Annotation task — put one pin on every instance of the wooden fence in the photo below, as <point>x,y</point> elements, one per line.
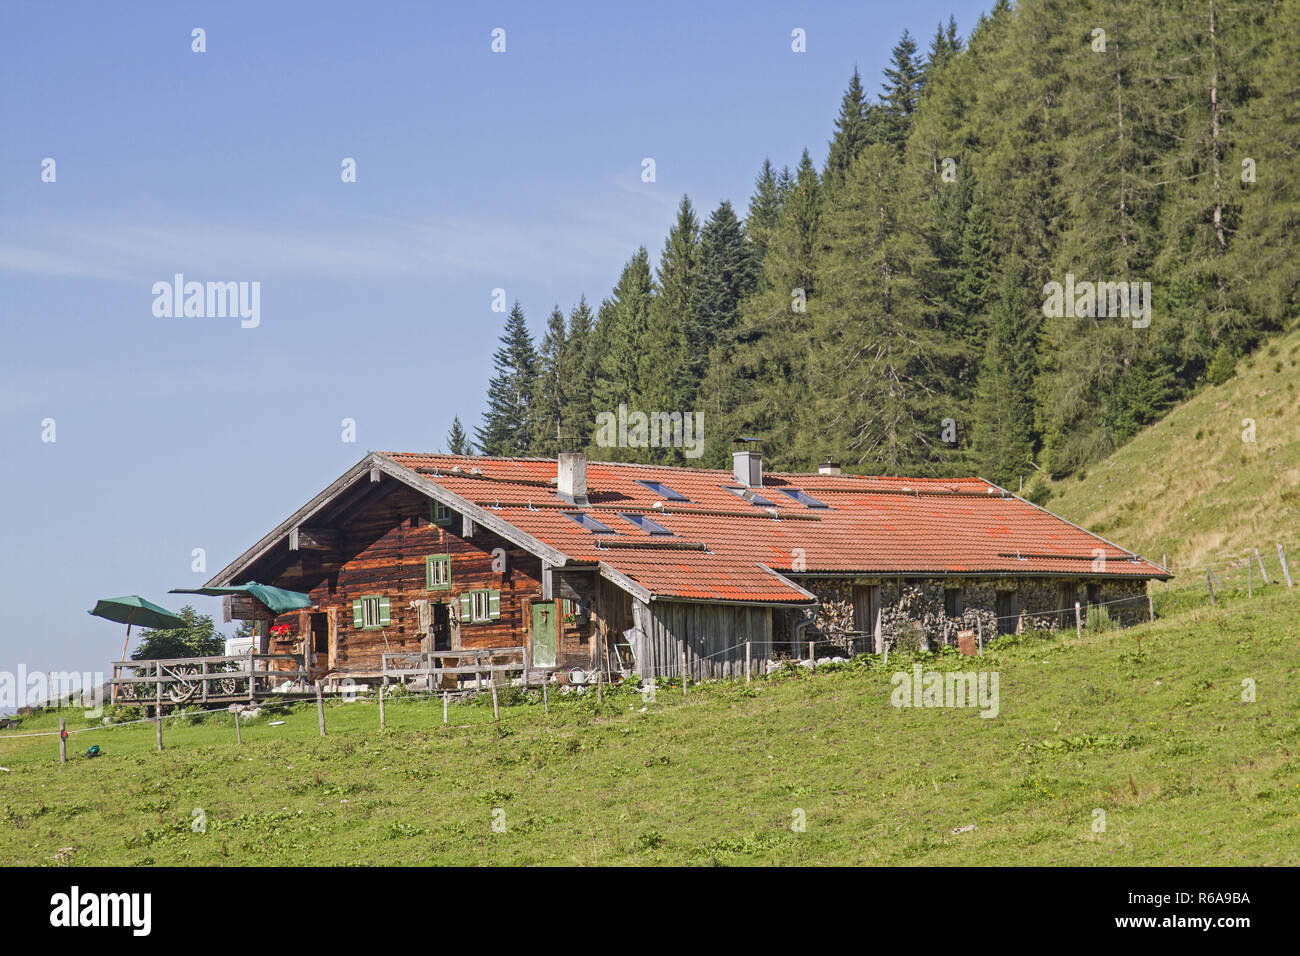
<point>202,680</point>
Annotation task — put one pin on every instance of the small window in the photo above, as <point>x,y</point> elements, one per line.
<point>645,523</point>
<point>437,572</point>
<point>805,499</point>
<point>753,497</point>
<point>371,611</point>
<point>588,522</point>
<point>440,514</point>
<point>662,490</point>
<point>479,606</point>
<point>954,604</point>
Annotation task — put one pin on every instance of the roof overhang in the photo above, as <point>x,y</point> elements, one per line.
<point>372,468</point>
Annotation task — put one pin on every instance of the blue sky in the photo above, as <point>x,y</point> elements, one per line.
<point>475,171</point>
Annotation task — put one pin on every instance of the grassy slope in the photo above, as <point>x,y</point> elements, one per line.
<point>1186,772</point>
<point>1191,487</point>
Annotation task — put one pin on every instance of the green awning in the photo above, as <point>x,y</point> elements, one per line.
<point>276,600</point>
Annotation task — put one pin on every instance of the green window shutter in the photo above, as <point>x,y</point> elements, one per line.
<point>494,604</point>
<point>383,612</point>
<point>466,606</point>
<point>358,616</point>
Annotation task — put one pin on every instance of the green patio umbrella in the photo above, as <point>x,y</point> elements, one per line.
<point>276,600</point>
<point>133,609</point>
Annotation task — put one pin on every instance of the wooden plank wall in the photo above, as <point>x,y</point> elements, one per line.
<point>713,635</point>
<point>383,547</point>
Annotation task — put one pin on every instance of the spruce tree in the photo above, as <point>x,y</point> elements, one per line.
<point>668,378</point>
<point>548,397</point>
<point>851,133</point>
<point>577,417</point>
<point>507,428</point>
<point>458,442</point>
<point>900,92</point>
<point>764,207</point>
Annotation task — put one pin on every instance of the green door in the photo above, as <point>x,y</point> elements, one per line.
<point>544,619</point>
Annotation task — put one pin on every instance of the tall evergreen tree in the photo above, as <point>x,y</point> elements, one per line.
<point>458,442</point>
<point>1004,436</point>
<point>507,427</point>
<point>577,417</point>
<point>764,207</point>
<point>900,92</point>
<point>726,276</point>
<point>619,341</point>
<point>668,379</point>
<point>548,391</point>
<point>851,133</point>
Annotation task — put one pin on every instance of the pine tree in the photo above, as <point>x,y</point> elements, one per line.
<point>507,428</point>
<point>619,340</point>
<point>548,391</point>
<point>764,207</point>
<point>900,93</point>
<point>458,442</point>
<point>1004,437</point>
<point>577,418</point>
<point>668,379</point>
<point>851,133</point>
<point>876,395</point>
<point>726,276</point>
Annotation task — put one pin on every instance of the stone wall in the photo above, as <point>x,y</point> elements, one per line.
<point>913,612</point>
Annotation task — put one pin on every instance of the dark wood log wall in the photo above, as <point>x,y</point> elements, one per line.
<point>382,550</point>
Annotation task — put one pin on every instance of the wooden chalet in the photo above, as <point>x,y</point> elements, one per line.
<point>623,567</point>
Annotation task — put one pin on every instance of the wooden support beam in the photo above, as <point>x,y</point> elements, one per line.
<point>313,539</point>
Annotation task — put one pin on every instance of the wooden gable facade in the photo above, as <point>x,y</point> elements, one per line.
<point>391,570</point>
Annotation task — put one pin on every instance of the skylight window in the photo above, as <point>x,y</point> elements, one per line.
<point>753,497</point>
<point>805,499</point>
<point>588,522</point>
<point>645,523</point>
<point>662,490</point>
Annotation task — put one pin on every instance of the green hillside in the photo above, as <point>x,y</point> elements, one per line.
<point>1191,486</point>
<point>1148,726</point>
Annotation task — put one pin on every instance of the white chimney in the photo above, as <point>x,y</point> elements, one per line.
<point>828,467</point>
<point>747,466</point>
<point>572,479</point>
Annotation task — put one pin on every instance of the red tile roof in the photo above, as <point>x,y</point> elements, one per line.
<point>722,546</point>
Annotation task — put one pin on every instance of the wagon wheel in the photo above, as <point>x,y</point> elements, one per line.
<point>181,690</point>
<point>126,691</point>
<point>229,685</point>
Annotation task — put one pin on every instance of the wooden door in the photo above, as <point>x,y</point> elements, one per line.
<point>545,616</point>
<point>866,608</point>
<point>318,642</point>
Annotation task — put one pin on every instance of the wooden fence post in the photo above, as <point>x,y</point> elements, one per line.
<point>683,658</point>
<point>1210,584</point>
<point>63,740</point>
<point>496,709</point>
<point>546,698</point>
<point>1262,573</point>
<point>444,707</point>
<point>1281,556</point>
<point>748,662</point>
<point>979,634</point>
<point>1151,607</point>
<point>205,681</point>
<point>252,684</point>
<point>1078,620</point>
<point>525,656</point>
<point>157,707</point>
<point>812,655</point>
<point>383,722</point>
<point>239,737</point>
<point>320,709</point>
